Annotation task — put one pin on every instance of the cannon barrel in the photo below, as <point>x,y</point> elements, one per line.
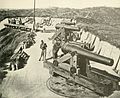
<point>68,23</point>
<point>68,27</point>
<point>91,56</point>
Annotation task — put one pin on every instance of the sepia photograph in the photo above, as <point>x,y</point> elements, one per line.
<point>59,48</point>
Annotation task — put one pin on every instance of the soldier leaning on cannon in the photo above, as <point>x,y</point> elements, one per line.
<point>56,47</point>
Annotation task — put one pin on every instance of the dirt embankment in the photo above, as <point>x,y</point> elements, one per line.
<point>9,41</point>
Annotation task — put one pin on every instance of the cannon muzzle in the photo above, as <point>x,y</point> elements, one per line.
<point>70,47</point>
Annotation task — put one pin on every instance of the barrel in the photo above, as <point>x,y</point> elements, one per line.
<point>71,47</point>
<point>68,27</point>
<point>68,23</point>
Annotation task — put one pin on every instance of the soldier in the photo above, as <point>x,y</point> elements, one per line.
<point>56,48</point>
<point>45,51</point>
<point>43,47</point>
<point>9,21</point>
<point>20,21</point>
<point>14,21</point>
<point>13,65</point>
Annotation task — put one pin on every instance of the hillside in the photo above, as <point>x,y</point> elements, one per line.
<point>105,15</point>
<point>9,41</point>
<point>103,21</point>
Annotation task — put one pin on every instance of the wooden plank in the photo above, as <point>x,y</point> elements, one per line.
<point>118,67</point>
<point>86,36</point>
<point>89,38</point>
<point>104,68</point>
<point>102,48</point>
<point>64,58</point>
<point>65,66</point>
<point>93,39</point>
<point>96,44</point>
<point>115,55</point>
<point>98,50</point>
<point>83,36</point>
<point>106,49</point>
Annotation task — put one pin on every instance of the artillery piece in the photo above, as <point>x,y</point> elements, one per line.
<point>75,64</point>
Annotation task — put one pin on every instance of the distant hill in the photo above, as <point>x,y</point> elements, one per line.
<point>106,15</point>
<point>104,21</point>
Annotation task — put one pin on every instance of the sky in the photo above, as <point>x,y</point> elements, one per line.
<point>25,4</point>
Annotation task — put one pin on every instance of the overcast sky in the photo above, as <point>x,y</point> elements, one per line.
<point>58,3</point>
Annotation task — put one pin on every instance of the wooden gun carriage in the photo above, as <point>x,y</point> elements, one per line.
<point>75,64</point>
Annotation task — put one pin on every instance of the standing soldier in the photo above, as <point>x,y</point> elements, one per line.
<point>45,51</point>
<point>13,65</point>
<point>9,21</point>
<point>43,47</point>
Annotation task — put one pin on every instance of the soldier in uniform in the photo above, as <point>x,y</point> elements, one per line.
<point>13,65</point>
<point>56,48</point>
<point>43,47</point>
<point>45,51</point>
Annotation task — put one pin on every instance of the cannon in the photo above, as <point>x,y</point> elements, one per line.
<point>67,27</point>
<point>75,63</point>
<point>68,23</point>
<point>91,56</point>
